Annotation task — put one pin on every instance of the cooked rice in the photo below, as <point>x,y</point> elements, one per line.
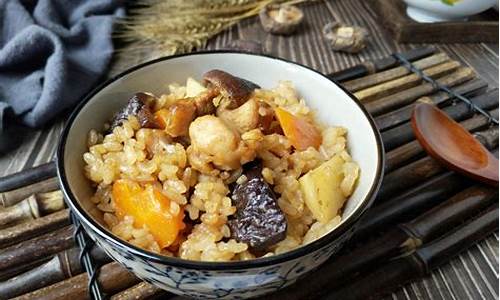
<point>122,154</point>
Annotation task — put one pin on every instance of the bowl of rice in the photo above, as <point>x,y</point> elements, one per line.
<point>220,174</point>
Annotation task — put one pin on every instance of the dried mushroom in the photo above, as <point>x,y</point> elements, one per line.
<point>345,38</point>
<point>235,89</point>
<point>204,102</point>
<point>258,221</point>
<point>280,19</point>
<point>140,106</point>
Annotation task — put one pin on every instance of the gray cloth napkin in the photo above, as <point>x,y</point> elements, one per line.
<point>51,53</point>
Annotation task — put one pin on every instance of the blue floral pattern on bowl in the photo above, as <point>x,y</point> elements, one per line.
<point>218,284</point>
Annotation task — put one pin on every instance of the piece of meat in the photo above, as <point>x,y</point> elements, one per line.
<point>215,145</point>
<point>211,136</point>
<point>243,118</point>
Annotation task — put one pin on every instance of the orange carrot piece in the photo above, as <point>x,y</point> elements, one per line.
<point>150,208</point>
<point>299,131</point>
<point>161,118</point>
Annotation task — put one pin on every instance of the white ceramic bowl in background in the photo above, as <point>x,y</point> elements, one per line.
<point>429,11</point>
<point>240,279</point>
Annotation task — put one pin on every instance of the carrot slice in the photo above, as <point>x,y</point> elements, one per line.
<point>161,118</point>
<point>150,208</point>
<point>299,131</point>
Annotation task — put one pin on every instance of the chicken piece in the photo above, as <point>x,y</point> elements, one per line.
<point>210,134</point>
<point>243,118</point>
<point>214,143</point>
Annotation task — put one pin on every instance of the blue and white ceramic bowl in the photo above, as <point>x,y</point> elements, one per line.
<point>231,280</point>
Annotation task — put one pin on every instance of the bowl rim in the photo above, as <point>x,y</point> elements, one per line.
<point>103,232</point>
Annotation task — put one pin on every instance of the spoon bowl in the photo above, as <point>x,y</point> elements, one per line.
<point>449,143</point>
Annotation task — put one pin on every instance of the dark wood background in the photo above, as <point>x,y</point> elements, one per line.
<point>472,275</point>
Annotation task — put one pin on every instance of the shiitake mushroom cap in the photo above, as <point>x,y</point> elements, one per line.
<point>237,90</point>
<point>274,26</point>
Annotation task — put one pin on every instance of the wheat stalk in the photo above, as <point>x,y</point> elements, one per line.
<point>178,26</point>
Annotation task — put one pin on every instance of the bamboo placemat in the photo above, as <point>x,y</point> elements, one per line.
<point>43,243</point>
<point>474,274</point>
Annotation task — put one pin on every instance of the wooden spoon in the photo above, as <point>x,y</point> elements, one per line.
<point>449,143</point>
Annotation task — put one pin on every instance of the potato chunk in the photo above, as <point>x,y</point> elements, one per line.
<point>194,88</point>
<point>322,190</point>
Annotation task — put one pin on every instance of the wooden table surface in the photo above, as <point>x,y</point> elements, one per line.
<point>472,275</point>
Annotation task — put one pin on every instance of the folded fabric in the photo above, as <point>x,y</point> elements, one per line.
<point>51,53</point>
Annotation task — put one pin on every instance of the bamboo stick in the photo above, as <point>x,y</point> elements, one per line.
<point>421,262</point>
<point>24,231</point>
<point>27,177</point>
<point>488,138</point>
<point>409,175</point>
<point>409,203</point>
<point>19,269</point>
<point>403,114</point>
<point>449,214</point>
<point>31,208</point>
<point>412,150</point>
<point>402,134</point>
<point>380,77</point>
<point>62,266</point>
<point>397,100</point>
<point>369,67</point>
<point>112,278</point>
<point>37,248</point>
<point>140,291</point>
<point>14,196</point>
<point>404,82</point>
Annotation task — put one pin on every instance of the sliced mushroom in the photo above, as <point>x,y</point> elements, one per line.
<point>204,102</point>
<point>140,106</point>
<point>235,89</point>
<point>259,221</point>
<point>280,19</point>
<point>243,118</point>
